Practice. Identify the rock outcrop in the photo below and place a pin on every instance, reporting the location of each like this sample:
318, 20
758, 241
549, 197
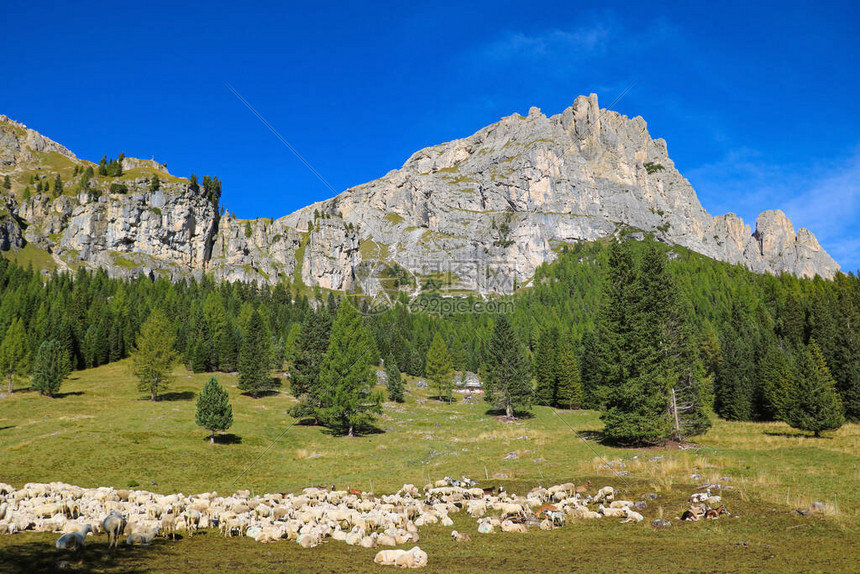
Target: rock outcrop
477, 214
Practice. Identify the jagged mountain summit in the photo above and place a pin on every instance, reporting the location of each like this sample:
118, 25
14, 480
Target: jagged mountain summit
478, 214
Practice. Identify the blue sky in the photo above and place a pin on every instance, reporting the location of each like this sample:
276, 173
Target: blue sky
757, 103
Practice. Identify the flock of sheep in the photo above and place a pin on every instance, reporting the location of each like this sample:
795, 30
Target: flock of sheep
309, 518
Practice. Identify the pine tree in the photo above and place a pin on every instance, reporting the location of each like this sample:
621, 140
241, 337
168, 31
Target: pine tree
735, 382
815, 406
291, 346
346, 380
154, 183
508, 385
15, 352
569, 394
656, 389
214, 412
50, 367
394, 380
254, 358
547, 368
776, 376
58, 185
153, 356
438, 367
103, 166
313, 341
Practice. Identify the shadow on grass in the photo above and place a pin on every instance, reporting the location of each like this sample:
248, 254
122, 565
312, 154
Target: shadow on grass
364, 430
798, 434
271, 390
37, 557
7, 427
228, 438
179, 396
261, 394
69, 394
500, 414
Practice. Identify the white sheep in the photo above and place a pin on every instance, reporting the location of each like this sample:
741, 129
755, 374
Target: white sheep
73, 540
508, 526
113, 525
632, 515
611, 512
605, 494
142, 538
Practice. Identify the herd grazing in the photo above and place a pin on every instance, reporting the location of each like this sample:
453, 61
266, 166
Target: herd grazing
315, 515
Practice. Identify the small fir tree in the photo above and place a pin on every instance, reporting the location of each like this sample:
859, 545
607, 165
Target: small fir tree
255, 374
438, 367
14, 352
153, 356
394, 380
508, 374
214, 412
50, 367
815, 405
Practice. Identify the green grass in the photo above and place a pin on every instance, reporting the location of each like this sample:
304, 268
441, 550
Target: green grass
103, 432
394, 218
33, 255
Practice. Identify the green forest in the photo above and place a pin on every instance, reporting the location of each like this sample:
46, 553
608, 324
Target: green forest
634, 329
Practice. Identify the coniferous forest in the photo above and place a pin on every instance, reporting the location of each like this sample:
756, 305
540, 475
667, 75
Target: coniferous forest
653, 336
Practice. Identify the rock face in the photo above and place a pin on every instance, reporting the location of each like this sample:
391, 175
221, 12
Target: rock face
477, 214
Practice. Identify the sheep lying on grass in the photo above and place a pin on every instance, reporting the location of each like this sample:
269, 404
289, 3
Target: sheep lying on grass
413, 558
142, 538
73, 540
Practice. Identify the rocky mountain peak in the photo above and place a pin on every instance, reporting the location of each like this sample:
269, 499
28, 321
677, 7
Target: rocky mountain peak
477, 214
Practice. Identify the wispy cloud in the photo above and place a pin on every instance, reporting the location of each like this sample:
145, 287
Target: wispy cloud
584, 41
830, 207
565, 47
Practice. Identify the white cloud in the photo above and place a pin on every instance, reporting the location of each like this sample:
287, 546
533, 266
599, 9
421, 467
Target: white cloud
824, 198
588, 40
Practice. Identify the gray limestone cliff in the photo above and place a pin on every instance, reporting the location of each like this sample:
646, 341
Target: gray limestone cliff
479, 214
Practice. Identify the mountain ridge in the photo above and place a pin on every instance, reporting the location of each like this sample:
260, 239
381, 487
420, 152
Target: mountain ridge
476, 214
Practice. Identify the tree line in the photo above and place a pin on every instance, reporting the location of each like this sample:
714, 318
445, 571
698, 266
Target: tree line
597, 326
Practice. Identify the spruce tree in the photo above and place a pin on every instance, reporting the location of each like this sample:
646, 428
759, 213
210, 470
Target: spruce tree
569, 395
313, 342
291, 346
255, 374
815, 406
214, 412
7, 183
50, 367
776, 377
153, 356
655, 379
547, 368
154, 183
508, 385
346, 398
735, 383
14, 352
58, 185
438, 367
394, 380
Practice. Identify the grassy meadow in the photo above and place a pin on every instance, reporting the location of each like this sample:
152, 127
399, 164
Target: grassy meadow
101, 431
